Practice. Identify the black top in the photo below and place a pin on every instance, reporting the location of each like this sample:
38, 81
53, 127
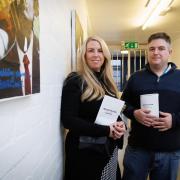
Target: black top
79, 116
168, 88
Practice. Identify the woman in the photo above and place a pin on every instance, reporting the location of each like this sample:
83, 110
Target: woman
91, 149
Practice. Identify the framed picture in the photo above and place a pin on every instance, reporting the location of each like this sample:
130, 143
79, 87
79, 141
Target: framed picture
76, 39
19, 48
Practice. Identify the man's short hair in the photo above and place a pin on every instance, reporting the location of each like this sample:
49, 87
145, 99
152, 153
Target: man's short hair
160, 35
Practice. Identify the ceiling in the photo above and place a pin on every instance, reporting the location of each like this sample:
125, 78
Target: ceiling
120, 20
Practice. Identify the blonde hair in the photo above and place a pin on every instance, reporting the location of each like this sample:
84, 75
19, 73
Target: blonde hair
94, 89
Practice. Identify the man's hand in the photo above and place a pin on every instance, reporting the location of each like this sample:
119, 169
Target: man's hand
144, 117
164, 122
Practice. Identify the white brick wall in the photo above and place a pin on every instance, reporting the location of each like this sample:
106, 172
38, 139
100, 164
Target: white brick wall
31, 141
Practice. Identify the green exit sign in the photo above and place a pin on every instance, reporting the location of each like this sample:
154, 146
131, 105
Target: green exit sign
131, 45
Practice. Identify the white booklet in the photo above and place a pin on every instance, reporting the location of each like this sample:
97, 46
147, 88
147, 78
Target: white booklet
150, 102
109, 111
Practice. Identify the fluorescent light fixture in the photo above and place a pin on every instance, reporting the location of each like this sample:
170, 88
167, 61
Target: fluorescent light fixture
124, 52
157, 7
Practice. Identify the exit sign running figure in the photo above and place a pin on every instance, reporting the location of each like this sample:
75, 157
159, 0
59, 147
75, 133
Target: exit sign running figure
131, 45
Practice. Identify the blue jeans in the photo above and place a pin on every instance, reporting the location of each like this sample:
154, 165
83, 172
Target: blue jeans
139, 163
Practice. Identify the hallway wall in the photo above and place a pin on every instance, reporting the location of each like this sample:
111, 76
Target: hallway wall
176, 52
31, 141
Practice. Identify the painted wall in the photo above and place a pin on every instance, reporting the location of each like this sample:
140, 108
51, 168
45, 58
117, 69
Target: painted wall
31, 138
176, 52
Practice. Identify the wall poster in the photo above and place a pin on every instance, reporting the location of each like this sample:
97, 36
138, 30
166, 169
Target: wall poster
76, 39
19, 48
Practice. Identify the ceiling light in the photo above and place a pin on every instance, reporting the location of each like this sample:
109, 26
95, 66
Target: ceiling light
157, 7
124, 52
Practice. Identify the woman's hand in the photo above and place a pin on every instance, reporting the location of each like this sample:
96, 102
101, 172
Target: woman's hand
117, 129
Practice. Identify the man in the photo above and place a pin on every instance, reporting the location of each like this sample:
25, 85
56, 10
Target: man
154, 142
20, 69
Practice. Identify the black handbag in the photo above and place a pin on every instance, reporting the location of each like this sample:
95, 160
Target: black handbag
96, 144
